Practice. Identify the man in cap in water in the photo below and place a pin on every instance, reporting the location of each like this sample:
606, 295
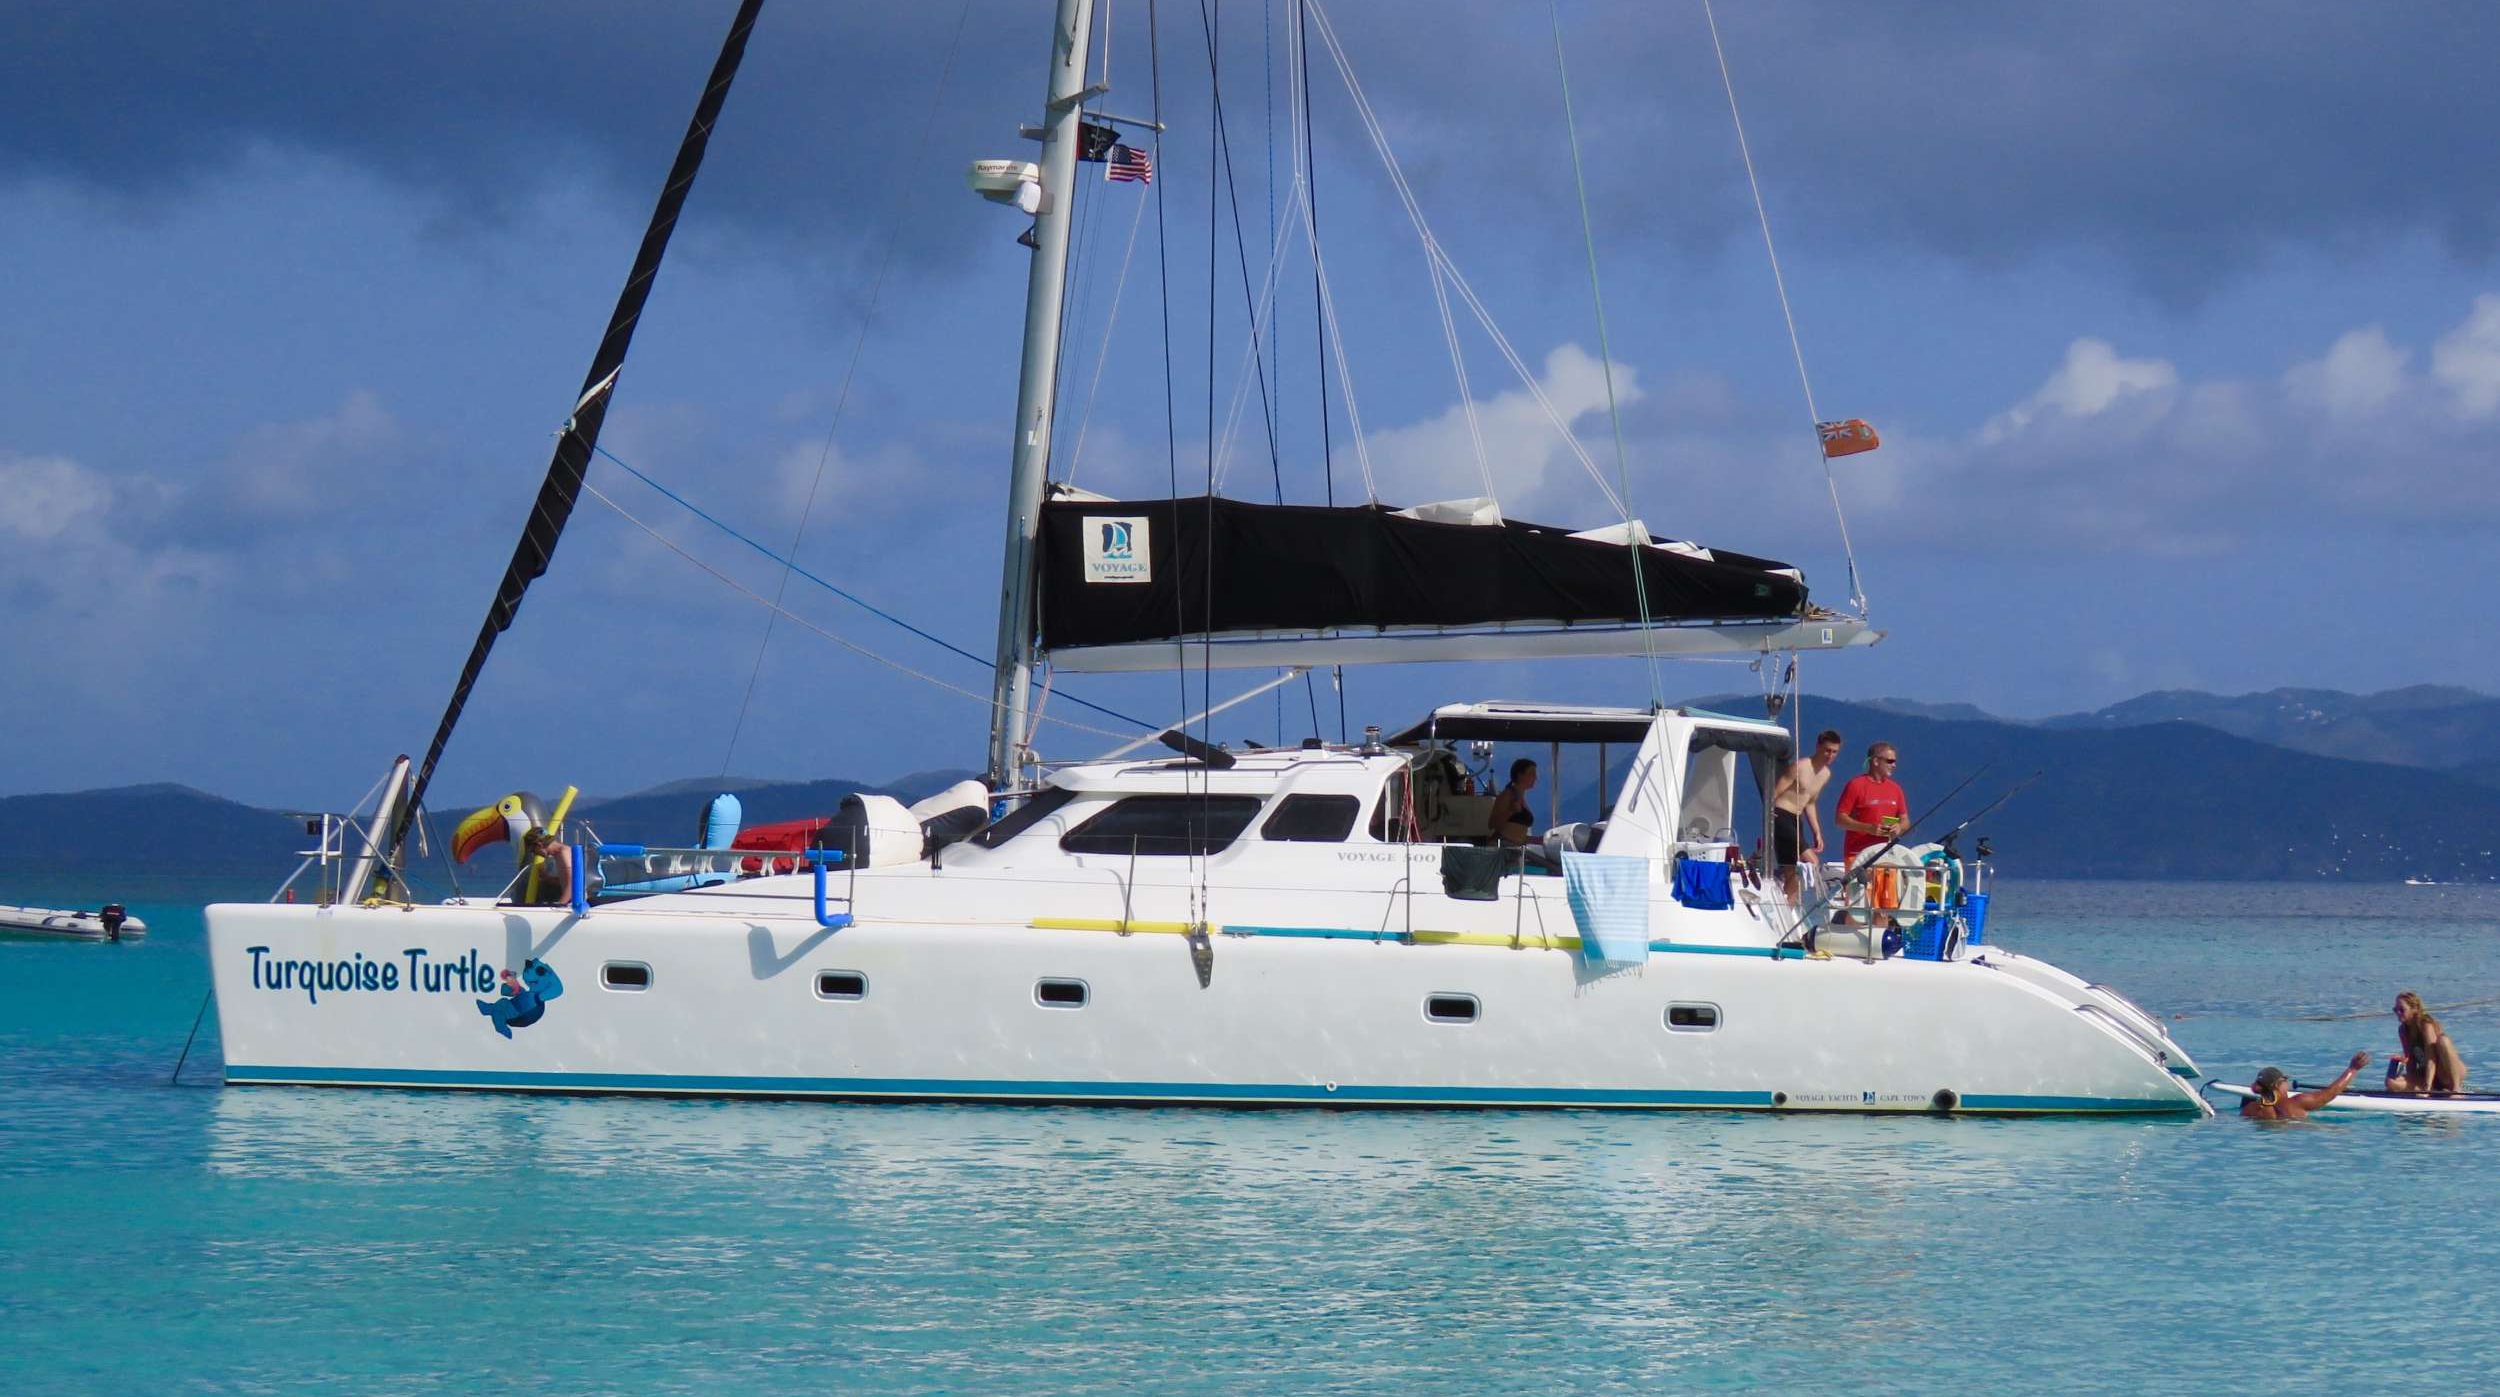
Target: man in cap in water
2276, 1101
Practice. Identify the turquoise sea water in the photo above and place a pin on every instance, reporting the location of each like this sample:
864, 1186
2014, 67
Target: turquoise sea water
158, 1238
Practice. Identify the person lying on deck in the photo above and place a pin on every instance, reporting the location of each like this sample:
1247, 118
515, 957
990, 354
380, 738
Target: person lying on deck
2276, 1101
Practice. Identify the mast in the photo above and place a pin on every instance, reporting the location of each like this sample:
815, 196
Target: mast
563, 485
1012, 693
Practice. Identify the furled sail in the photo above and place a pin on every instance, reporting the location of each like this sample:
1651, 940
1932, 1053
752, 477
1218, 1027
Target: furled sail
1122, 572
562, 487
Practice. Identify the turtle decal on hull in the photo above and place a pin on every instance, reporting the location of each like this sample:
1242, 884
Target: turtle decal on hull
524, 998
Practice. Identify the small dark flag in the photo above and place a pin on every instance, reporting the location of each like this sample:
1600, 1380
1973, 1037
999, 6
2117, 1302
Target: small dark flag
1027, 239
1095, 142
1130, 163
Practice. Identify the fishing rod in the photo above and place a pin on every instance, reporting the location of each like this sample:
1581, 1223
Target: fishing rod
1805, 915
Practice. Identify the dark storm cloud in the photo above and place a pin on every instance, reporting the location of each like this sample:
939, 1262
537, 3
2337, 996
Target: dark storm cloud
2180, 141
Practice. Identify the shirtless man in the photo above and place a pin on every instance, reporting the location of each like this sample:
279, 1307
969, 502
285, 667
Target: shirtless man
1793, 800
2276, 1101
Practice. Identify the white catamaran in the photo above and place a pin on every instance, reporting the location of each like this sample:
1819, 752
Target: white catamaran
1316, 925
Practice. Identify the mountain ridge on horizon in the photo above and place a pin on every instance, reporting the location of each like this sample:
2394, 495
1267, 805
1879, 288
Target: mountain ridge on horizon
2422, 807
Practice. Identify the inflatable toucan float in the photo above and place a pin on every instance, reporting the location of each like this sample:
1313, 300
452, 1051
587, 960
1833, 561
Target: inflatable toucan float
509, 821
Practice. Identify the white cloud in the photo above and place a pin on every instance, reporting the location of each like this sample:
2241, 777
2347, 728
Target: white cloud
2091, 381
290, 469
42, 497
1435, 459
2360, 374
2466, 360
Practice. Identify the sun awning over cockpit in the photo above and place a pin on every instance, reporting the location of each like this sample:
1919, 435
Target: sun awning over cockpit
1526, 722
1118, 574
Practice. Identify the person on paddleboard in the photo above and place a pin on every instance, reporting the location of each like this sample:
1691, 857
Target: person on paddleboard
2276, 1101
2431, 1062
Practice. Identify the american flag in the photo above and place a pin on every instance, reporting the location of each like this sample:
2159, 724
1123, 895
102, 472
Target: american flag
1130, 163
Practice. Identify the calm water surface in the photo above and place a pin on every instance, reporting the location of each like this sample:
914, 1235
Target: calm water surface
158, 1238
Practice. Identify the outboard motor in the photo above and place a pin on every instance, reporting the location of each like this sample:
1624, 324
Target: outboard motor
112, 916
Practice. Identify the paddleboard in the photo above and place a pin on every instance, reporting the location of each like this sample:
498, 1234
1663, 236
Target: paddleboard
2470, 1103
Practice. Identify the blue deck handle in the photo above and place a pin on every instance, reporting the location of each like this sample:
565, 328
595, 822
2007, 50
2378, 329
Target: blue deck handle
822, 859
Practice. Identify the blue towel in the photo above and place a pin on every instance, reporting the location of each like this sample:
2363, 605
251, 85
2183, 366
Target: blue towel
1703, 885
1609, 897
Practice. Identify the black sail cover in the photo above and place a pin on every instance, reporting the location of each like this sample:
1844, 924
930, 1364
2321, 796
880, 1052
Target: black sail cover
1121, 571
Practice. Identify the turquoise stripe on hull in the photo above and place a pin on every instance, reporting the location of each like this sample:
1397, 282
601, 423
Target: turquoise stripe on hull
1216, 1093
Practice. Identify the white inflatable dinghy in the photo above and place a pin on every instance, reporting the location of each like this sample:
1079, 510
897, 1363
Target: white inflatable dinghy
2464, 1103
108, 923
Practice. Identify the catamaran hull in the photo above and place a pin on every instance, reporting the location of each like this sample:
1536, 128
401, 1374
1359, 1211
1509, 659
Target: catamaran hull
960, 1010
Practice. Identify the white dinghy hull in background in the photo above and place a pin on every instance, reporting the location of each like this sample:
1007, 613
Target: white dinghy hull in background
53, 924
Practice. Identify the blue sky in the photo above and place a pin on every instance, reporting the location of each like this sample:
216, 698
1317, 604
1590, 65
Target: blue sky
2182, 326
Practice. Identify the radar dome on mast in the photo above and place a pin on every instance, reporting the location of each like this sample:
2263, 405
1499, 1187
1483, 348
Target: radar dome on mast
1017, 182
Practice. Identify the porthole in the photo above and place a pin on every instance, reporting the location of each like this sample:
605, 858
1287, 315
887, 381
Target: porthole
1060, 994
1692, 1018
1451, 1008
841, 984
625, 975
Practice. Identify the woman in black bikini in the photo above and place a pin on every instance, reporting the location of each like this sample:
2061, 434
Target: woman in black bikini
1510, 824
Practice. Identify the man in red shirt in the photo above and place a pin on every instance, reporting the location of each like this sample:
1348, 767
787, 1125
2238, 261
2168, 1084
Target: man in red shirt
1873, 807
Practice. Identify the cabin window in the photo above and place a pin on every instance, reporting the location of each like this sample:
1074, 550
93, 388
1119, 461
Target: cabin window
625, 975
1450, 1008
841, 984
1164, 824
1060, 994
1312, 819
1692, 1018
1044, 802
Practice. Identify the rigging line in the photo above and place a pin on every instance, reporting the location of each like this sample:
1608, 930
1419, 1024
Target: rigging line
1163, 284
1433, 256
1796, 346
1433, 249
1536, 391
1306, 176
797, 620
1262, 310
1210, 24
867, 321
1102, 355
1215, 238
1633, 532
794, 569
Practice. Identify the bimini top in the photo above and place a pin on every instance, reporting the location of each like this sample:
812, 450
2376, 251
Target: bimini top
1119, 572
1559, 722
